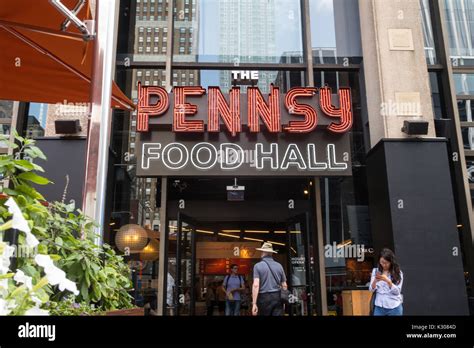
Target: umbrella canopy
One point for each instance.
(40, 61)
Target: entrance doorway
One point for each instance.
(207, 235)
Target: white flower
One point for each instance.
(67, 284)
(36, 311)
(22, 278)
(36, 300)
(55, 275)
(8, 252)
(3, 287)
(20, 223)
(4, 308)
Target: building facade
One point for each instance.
(408, 65)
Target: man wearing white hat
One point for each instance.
(268, 280)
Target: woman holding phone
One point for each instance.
(386, 281)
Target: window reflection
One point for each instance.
(237, 31)
(335, 31)
(466, 109)
(468, 137)
(6, 114)
(347, 237)
(470, 171)
(430, 49)
(464, 84)
(460, 25)
(223, 79)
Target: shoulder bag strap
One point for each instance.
(227, 282)
(273, 274)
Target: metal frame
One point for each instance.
(100, 123)
(306, 66)
(87, 29)
(304, 220)
(179, 239)
(463, 195)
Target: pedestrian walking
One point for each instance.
(234, 286)
(269, 281)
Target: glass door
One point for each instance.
(185, 266)
(299, 275)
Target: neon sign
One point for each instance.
(194, 131)
(259, 111)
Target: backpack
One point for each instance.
(226, 281)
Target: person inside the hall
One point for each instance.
(386, 284)
(210, 298)
(221, 296)
(268, 280)
(234, 286)
(246, 299)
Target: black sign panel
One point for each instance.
(163, 153)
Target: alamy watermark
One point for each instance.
(348, 251)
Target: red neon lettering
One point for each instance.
(218, 106)
(145, 110)
(344, 112)
(311, 118)
(258, 108)
(181, 109)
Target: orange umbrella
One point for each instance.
(40, 61)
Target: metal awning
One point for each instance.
(46, 50)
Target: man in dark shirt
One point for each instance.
(268, 280)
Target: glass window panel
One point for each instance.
(335, 31)
(6, 109)
(464, 84)
(346, 225)
(430, 49)
(223, 78)
(460, 24)
(41, 117)
(436, 97)
(466, 110)
(4, 130)
(150, 25)
(238, 31)
(470, 171)
(468, 137)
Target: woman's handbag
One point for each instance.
(372, 302)
(284, 293)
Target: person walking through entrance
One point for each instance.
(233, 285)
(268, 281)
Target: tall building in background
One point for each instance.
(151, 40)
(247, 35)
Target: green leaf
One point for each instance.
(30, 153)
(38, 152)
(96, 291)
(10, 192)
(29, 191)
(59, 241)
(35, 178)
(55, 257)
(42, 249)
(24, 165)
(85, 292)
(17, 136)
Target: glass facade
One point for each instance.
(335, 32)
(237, 31)
(460, 24)
(231, 34)
(6, 114)
(203, 43)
